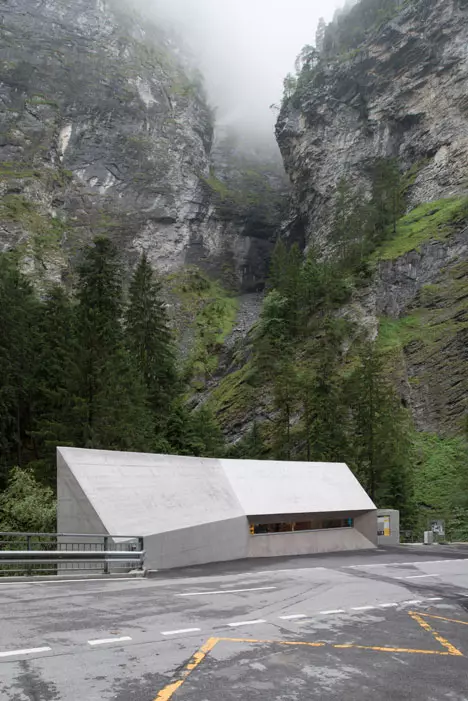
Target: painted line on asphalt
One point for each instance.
(30, 651)
(84, 579)
(169, 690)
(180, 631)
(434, 598)
(413, 601)
(387, 606)
(404, 564)
(291, 569)
(363, 608)
(292, 616)
(106, 641)
(421, 576)
(224, 591)
(326, 613)
(246, 623)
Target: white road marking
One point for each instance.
(404, 564)
(387, 606)
(292, 616)
(291, 569)
(413, 601)
(86, 579)
(182, 630)
(435, 598)
(362, 608)
(105, 641)
(224, 591)
(30, 651)
(332, 611)
(246, 623)
(421, 576)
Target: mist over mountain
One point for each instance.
(244, 49)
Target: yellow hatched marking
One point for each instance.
(442, 618)
(425, 625)
(394, 649)
(167, 693)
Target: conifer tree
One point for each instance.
(56, 358)
(149, 338)
(111, 399)
(379, 441)
(18, 307)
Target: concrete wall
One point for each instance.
(210, 542)
(305, 542)
(367, 525)
(394, 537)
(75, 513)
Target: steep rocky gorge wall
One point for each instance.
(105, 129)
(401, 94)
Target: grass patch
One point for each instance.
(210, 311)
(45, 232)
(234, 395)
(17, 171)
(428, 222)
(440, 478)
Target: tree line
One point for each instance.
(96, 368)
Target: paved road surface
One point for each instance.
(390, 624)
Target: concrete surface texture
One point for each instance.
(197, 510)
(388, 521)
(389, 623)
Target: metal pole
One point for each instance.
(106, 562)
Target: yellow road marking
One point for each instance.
(395, 649)
(169, 690)
(274, 642)
(442, 618)
(424, 624)
(167, 693)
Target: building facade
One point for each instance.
(199, 510)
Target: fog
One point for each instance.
(244, 49)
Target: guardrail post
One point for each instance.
(28, 547)
(106, 562)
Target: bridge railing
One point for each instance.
(69, 553)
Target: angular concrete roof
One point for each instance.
(139, 493)
(277, 487)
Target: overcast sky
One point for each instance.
(245, 48)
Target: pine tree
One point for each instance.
(149, 338)
(18, 312)
(55, 367)
(278, 265)
(387, 196)
(194, 432)
(320, 35)
(285, 394)
(111, 403)
(379, 436)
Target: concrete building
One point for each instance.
(199, 510)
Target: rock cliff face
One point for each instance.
(400, 94)
(105, 128)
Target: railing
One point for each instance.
(69, 553)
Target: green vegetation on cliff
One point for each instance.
(205, 314)
(431, 221)
(324, 393)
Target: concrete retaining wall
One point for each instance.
(210, 542)
(306, 542)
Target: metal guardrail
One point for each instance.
(68, 553)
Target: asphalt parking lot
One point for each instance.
(390, 624)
